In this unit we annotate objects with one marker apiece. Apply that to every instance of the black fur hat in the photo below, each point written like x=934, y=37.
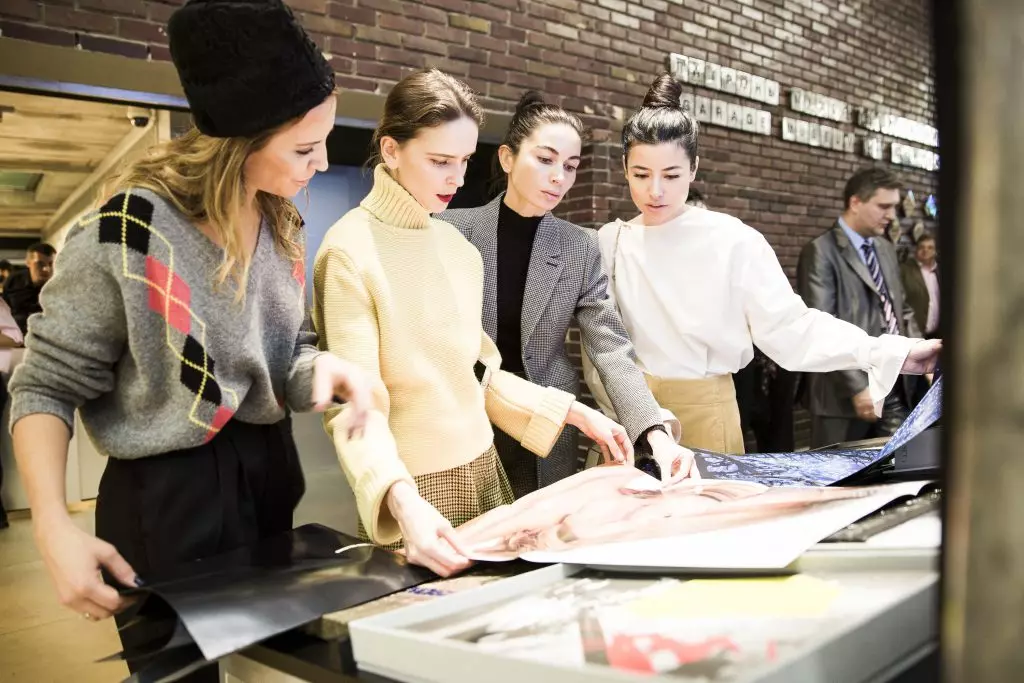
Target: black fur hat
x=246, y=65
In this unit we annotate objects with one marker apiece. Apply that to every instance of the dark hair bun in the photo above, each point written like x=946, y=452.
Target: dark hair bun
x=664, y=93
x=529, y=100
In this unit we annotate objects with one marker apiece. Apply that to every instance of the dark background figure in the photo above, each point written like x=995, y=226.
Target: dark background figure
x=5, y=272
x=766, y=396
x=920, y=275
x=852, y=272
x=21, y=289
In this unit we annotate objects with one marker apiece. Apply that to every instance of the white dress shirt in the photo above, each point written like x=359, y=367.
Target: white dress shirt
x=697, y=292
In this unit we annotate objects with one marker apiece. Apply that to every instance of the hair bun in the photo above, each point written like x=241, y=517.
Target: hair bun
x=664, y=93
x=529, y=100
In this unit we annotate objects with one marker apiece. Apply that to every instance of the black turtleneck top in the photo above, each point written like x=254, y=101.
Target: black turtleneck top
x=515, y=244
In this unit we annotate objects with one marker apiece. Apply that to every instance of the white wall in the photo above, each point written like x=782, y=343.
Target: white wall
x=328, y=498
x=331, y=196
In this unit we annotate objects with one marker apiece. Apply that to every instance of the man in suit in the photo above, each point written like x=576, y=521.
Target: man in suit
x=853, y=273
x=21, y=290
x=920, y=276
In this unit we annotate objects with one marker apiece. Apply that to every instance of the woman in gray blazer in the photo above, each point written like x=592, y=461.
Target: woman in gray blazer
x=540, y=273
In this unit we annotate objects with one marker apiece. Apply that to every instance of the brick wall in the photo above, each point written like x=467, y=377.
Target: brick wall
x=596, y=57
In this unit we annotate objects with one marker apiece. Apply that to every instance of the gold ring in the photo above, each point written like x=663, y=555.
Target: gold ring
x=88, y=617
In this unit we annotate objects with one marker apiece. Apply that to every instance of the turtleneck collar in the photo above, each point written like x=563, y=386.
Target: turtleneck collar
x=392, y=204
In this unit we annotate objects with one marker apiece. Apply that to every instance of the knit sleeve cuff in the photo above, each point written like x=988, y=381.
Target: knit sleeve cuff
x=547, y=421
x=371, y=465
x=380, y=525
x=883, y=359
x=25, y=403
x=298, y=389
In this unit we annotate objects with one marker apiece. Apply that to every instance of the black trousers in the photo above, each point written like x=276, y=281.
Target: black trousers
x=165, y=510
x=826, y=431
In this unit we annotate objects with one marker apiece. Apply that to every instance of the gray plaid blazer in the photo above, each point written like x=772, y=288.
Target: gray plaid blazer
x=566, y=280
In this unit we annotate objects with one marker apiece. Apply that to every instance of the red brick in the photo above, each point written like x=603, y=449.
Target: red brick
x=450, y=66
x=467, y=54
x=355, y=15
x=354, y=83
x=83, y=21
x=487, y=43
x=113, y=46
x=351, y=48
x=315, y=6
x=21, y=9
x=388, y=72
x=515, y=35
x=507, y=62
x=448, y=34
x=341, y=65
x=580, y=49
x=540, y=11
x=401, y=24
x=159, y=12
x=430, y=15
x=484, y=10
x=372, y=34
x=448, y=5
x=159, y=53
x=558, y=58
x=487, y=73
x=598, y=13
x=142, y=30
x=427, y=45
x=125, y=8
x=542, y=40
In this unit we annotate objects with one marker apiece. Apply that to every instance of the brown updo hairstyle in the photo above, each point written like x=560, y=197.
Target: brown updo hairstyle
x=531, y=113
x=424, y=99
x=661, y=119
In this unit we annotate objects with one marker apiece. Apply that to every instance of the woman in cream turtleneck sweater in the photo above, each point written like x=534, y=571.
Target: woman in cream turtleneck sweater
x=402, y=293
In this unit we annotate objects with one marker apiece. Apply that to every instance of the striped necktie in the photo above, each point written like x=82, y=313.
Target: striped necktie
x=890, y=323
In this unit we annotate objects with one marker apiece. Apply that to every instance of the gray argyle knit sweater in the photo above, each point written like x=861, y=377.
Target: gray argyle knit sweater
x=135, y=334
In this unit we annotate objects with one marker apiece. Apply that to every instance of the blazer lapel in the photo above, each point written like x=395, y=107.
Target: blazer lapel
x=485, y=239
x=852, y=259
x=545, y=267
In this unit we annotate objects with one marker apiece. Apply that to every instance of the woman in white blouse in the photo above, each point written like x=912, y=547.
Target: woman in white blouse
x=697, y=289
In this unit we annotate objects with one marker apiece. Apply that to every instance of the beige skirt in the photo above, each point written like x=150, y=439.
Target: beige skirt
x=706, y=409
x=463, y=493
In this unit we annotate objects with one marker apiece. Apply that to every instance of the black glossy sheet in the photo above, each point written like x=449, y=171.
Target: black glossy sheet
x=231, y=601
x=819, y=468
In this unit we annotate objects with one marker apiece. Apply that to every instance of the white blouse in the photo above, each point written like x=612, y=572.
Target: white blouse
x=696, y=293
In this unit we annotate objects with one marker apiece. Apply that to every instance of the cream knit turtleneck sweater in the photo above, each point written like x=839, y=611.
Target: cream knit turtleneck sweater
x=400, y=294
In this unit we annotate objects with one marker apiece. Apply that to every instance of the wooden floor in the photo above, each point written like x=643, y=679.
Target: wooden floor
x=40, y=641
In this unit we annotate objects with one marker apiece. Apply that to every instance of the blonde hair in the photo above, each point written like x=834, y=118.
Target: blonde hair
x=202, y=177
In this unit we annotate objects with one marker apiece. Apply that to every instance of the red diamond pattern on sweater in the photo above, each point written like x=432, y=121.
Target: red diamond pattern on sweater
x=175, y=306
x=220, y=418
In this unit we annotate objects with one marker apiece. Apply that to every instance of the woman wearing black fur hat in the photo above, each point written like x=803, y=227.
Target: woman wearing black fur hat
x=175, y=321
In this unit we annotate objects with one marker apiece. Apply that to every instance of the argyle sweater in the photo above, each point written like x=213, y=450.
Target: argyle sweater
x=135, y=333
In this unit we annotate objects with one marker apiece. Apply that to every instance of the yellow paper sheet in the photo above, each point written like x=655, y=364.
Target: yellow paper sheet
x=792, y=596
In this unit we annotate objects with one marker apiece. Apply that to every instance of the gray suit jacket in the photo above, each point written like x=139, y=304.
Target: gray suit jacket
x=832, y=278
x=565, y=280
